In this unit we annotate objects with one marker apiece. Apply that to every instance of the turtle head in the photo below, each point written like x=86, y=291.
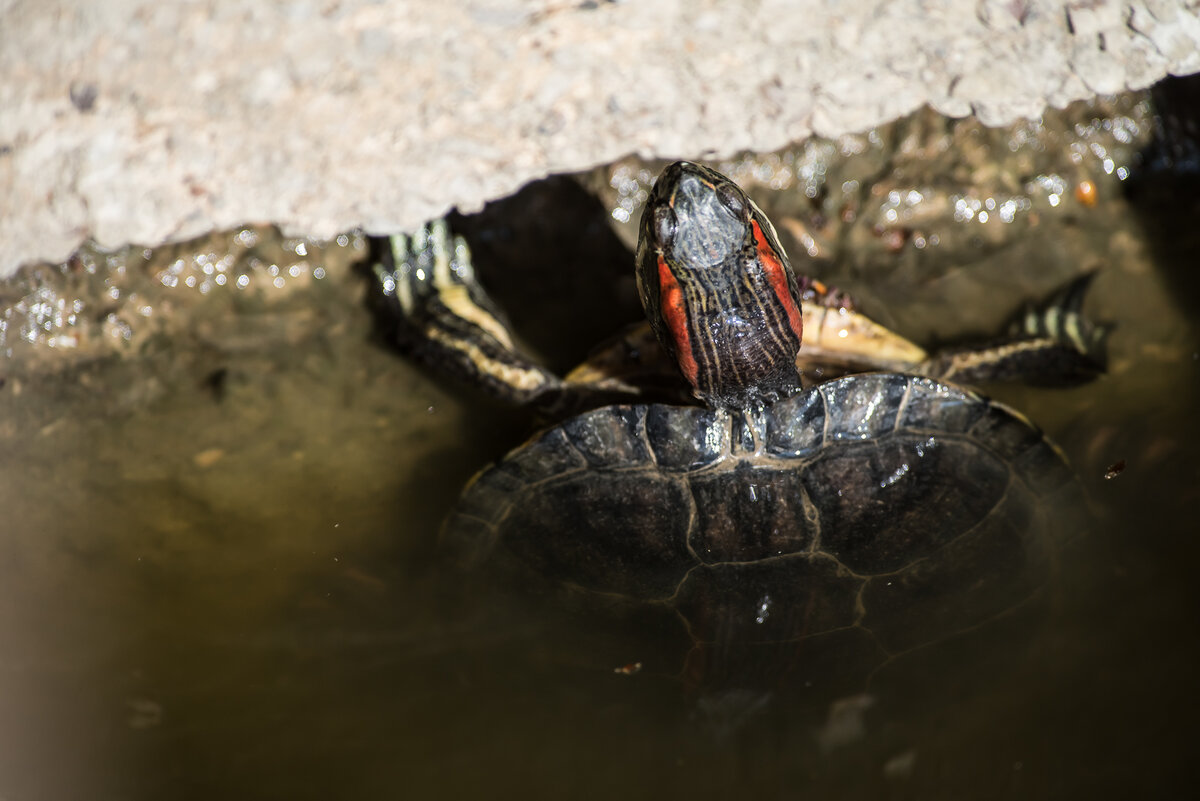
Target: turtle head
x=718, y=289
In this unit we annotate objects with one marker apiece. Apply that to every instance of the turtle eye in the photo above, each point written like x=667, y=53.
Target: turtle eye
x=664, y=223
x=732, y=199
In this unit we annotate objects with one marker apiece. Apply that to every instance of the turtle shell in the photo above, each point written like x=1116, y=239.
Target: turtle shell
x=895, y=507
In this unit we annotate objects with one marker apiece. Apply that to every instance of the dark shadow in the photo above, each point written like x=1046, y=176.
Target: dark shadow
x=550, y=259
x=1164, y=190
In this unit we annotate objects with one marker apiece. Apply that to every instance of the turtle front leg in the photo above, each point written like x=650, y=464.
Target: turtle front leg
x=439, y=314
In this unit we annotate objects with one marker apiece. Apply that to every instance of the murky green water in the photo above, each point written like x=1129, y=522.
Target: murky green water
x=219, y=577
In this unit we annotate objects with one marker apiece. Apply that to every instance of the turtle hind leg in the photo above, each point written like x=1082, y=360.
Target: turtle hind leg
x=428, y=302
x=1049, y=344
x=1060, y=319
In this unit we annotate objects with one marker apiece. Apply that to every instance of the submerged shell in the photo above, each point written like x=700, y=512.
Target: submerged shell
x=894, y=507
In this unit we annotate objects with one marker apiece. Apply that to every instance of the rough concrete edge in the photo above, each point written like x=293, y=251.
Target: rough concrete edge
x=62, y=155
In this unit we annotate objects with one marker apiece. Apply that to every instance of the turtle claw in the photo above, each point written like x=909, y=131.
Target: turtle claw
x=427, y=282
x=416, y=267
x=1060, y=317
x=433, y=307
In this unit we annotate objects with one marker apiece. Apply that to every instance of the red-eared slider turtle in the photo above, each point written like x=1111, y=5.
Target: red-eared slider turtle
x=871, y=513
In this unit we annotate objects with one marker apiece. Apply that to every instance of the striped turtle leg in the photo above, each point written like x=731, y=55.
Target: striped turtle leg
x=427, y=295
x=1051, y=344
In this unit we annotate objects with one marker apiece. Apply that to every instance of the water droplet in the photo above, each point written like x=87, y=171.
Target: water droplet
x=763, y=609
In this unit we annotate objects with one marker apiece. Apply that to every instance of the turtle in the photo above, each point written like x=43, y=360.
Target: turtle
x=767, y=505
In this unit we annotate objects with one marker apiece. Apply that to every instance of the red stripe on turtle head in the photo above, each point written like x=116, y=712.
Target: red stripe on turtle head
x=777, y=275
x=674, y=314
